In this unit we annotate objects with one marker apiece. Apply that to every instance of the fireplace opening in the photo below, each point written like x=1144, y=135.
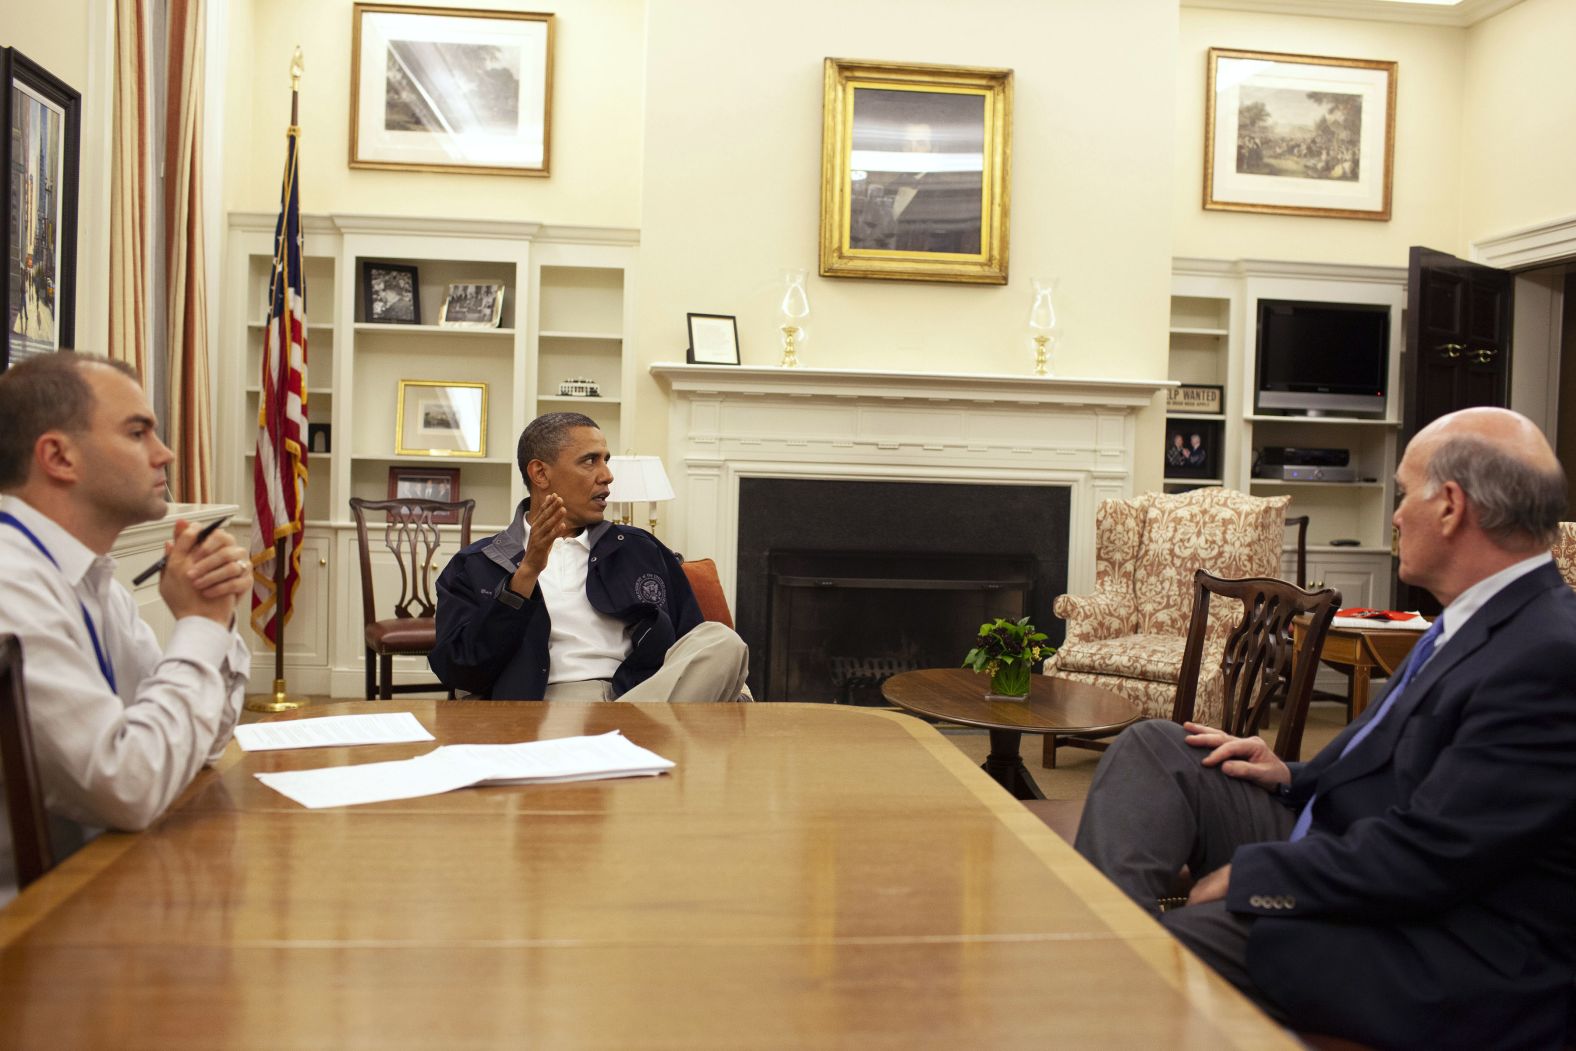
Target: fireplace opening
x=844, y=622
x=841, y=583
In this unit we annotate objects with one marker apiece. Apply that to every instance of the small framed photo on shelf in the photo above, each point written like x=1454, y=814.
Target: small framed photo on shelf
x=713, y=339
x=390, y=294
x=1193, y=448
x=438, y=418
x=472, y=306
x=319, y=438
x=427, y=483
x=1199, y=399
x=1299, y=134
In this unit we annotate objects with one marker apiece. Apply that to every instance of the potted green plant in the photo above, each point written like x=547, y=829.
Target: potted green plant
x=1007, y=651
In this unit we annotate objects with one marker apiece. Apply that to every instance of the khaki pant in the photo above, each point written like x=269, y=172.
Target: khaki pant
x=709, y=663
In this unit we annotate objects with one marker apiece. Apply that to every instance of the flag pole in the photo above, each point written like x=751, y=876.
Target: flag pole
x=280, y=700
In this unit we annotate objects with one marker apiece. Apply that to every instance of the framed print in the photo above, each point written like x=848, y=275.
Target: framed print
x=438, y=418
x=472, y=306
x=390, y=294
x=1299, y=135
x=915, y=165
x=39, y=158
x=1193, y=448
x=427, y=483
x=1199, y=398
x=713, y=339
x=451, y=89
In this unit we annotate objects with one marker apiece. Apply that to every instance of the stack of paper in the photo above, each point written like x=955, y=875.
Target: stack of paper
x=332, y=731
x=1416, y=623
x=462, y=765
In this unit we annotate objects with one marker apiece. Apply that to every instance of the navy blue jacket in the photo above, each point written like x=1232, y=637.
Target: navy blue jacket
x=1433, y=902
x=494, y=648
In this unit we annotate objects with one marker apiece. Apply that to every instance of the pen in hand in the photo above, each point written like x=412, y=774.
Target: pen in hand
x=158, y=567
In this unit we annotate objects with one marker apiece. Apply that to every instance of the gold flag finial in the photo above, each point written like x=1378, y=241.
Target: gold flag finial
x=296, y=69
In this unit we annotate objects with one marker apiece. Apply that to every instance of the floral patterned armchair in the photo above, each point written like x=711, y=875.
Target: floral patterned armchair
x=1129, y=635
x=1565, y=552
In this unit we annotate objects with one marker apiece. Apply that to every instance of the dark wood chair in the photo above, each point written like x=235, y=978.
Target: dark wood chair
x=1258, y=668
x=23, y=795
x=1300, y=523
x=410, y=533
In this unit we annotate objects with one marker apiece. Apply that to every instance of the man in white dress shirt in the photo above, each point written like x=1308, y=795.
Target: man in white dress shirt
x=119, y=727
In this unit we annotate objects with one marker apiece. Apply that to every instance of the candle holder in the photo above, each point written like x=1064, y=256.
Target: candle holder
x=794, y=308
x=1043, y=328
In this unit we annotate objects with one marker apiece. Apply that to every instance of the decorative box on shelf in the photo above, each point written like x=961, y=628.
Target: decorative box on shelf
x=578, y=387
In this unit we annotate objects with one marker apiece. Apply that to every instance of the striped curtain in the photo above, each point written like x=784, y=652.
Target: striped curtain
x=128, y=206
x=190, y=424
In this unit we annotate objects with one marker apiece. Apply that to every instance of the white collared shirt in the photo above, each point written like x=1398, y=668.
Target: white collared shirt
x=584, y=643
x=114, y=758
x=1476, y=597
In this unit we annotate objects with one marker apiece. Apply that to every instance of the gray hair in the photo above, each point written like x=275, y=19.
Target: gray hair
x=42, y=394
x=545, y=437
x=1515, y=500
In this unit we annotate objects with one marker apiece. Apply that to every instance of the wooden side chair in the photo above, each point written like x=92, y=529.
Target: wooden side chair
x=411, y=535
x=1258, y=668
x=24, y=796
x=1300, y=523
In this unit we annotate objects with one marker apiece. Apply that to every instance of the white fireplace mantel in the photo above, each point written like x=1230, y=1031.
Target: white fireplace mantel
x=732, y=422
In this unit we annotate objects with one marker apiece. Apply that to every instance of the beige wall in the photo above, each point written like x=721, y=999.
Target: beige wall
x=732, y=168
x=1518, y=154
x=1428, y=141
x=596, y=120
x=71, y=39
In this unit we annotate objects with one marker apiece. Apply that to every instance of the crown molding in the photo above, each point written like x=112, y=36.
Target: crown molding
x=1461, y=15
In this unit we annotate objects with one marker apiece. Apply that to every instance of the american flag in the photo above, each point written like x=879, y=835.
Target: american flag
x=279, y=473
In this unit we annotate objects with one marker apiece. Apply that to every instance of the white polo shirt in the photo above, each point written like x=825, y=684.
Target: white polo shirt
x=584, y=643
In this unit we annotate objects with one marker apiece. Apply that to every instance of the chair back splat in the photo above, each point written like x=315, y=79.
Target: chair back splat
x=24, y=796
x=412, y=537
x=1258, y=668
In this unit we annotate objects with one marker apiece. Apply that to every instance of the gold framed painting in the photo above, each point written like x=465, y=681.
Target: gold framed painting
x=441, y=418
x=915, y=172
x=451, y=89
x=1299, y=134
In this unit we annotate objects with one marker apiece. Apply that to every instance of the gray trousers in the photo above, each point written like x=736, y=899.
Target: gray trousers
x=1154, y=807
x=710, y=663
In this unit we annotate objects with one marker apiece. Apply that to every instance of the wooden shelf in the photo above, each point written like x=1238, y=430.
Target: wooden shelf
x=430, y=330
x=1341, y=421
x=1278, y=483
x=1183, y=330
x=606, y=337
x=570, y=400
x=1195, y=416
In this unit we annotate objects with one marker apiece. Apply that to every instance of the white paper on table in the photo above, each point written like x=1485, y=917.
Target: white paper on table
x=1417, y=623
x=332, y=731
x=449, y=767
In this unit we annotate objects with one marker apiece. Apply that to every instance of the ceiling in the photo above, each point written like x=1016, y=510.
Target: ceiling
x=1457, y=13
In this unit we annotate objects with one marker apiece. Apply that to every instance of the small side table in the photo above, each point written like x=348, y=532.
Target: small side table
x=1357, y=652
x=1054, y=706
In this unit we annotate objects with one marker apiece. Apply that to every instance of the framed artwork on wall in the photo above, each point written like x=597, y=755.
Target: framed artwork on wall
x=915, y=172
x=39, y=158
x=440, y=418
x=1299, y=134
x=1203, y=399
x=390, y=294
x=451, y=89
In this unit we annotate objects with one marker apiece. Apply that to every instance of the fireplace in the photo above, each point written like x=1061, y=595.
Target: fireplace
x=842, y=582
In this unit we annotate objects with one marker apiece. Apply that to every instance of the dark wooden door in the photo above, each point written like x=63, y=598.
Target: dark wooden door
x=1457, y=350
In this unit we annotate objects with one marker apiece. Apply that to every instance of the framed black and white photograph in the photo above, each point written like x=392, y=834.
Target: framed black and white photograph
x=1201, y=399
x=451, y=89
x=427, y=483
x=713, y=339
x=472, y=306
x=440, y=418
x=915, y=166
x=39, y=156
x=390, y=294
x=1299, y=134
x=1193, y=448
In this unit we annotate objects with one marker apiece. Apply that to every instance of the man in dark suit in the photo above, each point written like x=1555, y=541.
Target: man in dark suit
x=1414, y=884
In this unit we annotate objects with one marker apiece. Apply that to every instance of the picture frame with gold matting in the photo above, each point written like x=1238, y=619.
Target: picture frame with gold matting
x=441, y=418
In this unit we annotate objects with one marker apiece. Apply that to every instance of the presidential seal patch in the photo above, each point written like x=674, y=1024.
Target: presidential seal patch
x=650, y=589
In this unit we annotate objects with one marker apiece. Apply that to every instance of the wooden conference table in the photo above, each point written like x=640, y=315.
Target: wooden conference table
x=808, y=876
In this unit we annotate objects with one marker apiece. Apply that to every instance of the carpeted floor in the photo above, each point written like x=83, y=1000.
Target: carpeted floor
x=1075, y=766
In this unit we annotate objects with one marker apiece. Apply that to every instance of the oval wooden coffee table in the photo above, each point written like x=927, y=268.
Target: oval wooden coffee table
x=1054, y=706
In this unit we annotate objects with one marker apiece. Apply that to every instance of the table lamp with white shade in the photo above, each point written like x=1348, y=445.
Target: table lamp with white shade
x=636, y=479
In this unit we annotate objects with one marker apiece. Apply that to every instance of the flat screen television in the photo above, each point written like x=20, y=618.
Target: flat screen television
x=1318, y=358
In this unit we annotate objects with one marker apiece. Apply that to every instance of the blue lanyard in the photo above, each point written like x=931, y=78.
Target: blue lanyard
x=98, y=651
